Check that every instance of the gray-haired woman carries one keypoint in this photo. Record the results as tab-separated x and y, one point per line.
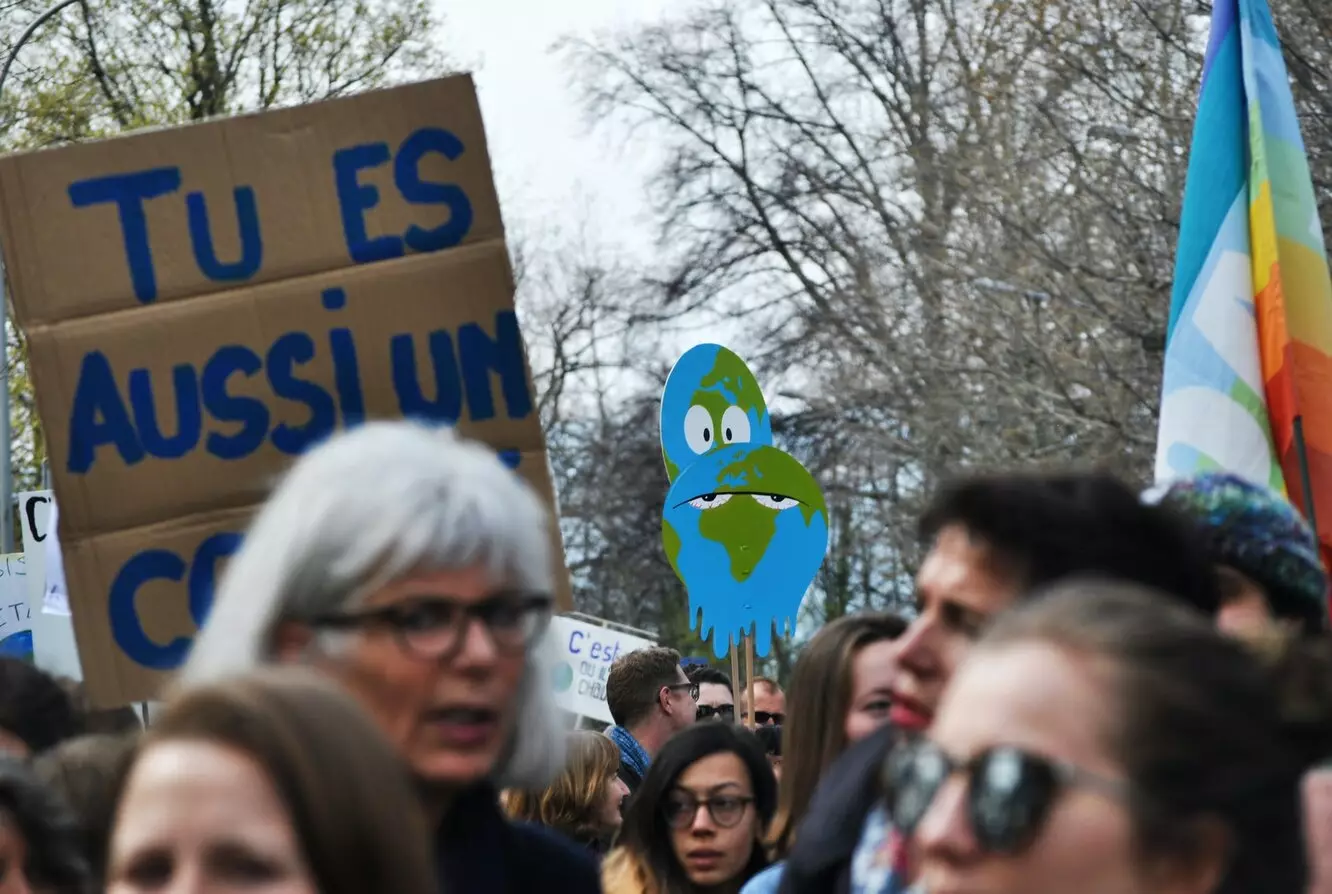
415	568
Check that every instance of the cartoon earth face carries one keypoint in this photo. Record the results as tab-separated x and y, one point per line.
711	400
740	525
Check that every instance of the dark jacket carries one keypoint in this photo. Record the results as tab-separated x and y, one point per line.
478	851
629	776
825	841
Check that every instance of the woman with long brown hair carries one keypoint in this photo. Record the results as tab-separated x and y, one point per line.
839	695
274	783
584	801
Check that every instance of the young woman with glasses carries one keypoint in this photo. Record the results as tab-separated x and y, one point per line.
697	821
1101	740
415	569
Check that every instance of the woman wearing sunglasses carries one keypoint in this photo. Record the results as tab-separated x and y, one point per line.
1101	740
415	569
697	821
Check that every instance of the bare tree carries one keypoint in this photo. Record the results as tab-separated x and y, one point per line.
948	225
112	65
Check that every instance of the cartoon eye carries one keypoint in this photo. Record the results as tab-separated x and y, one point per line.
735	426
698	429
710	501
775	501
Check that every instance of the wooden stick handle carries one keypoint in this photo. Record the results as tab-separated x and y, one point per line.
749	683
735	663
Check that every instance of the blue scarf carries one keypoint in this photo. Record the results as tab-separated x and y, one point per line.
630	751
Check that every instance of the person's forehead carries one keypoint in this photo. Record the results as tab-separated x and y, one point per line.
465	585
714	694
963	569
1031	695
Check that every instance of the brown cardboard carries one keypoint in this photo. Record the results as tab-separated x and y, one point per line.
420	294
66	262
77	300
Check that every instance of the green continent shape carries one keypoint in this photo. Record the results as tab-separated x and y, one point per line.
670	539
767	470
672	470
728	372
742	526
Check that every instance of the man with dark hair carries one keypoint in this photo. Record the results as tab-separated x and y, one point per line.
36	713
650	700
716	701
991	541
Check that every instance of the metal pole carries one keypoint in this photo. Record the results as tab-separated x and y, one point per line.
1306	482
6	436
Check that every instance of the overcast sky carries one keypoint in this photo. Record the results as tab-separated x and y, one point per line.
543	153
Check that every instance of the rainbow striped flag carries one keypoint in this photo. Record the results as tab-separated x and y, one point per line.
1248	360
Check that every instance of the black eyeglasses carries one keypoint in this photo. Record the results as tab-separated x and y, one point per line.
766	718
726	810
1009	791
433	627
691	688
721	712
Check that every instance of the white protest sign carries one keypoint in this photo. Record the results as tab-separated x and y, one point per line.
55	598
15	615
53	645
584	656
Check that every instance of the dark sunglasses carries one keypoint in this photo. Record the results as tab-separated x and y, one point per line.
726	810
1010	792
433	627
766	718
721	712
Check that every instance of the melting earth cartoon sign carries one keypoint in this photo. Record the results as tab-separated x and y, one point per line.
745	526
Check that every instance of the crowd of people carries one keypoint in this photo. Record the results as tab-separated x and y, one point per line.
1099	691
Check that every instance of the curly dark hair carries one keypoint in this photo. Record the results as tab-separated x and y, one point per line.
35	707
55	859
1050	526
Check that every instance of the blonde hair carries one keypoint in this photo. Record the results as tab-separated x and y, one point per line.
623	872
570	804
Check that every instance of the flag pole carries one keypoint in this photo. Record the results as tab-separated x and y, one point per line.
1306	482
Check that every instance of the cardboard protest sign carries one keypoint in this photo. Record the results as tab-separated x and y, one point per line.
585	654
204	303
745	525
15	613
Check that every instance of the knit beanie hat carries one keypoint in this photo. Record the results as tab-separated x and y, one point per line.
1260	534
